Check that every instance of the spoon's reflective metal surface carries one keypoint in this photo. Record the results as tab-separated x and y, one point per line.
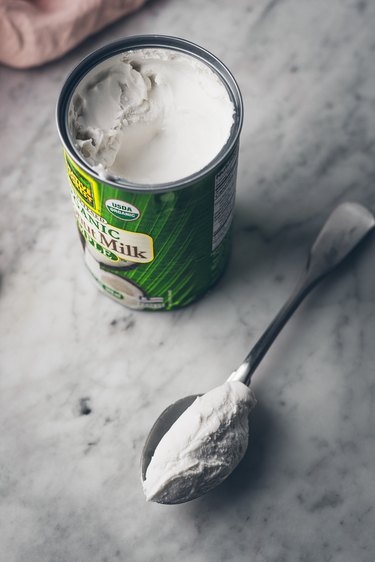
344	229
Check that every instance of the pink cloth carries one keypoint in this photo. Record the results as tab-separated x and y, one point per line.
33	32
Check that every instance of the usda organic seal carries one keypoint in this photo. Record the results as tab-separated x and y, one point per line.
122	210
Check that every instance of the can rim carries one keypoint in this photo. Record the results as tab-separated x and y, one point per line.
148	41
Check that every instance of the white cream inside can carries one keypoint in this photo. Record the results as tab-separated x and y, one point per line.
150	116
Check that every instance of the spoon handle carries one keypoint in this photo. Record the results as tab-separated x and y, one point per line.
255	356
347	225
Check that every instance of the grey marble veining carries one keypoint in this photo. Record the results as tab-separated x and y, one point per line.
82	379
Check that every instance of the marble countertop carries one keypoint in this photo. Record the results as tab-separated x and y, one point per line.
82	379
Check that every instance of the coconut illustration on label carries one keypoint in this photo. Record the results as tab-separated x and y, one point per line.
115	286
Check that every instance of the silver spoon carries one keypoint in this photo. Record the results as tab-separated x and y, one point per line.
344	229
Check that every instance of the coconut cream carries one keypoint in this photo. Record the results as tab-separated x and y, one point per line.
150	116
202	447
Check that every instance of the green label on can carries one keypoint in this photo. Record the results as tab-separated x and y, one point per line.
155	250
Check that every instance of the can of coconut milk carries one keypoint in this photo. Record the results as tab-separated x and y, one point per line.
154	246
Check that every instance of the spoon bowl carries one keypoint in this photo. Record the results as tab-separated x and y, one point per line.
160	428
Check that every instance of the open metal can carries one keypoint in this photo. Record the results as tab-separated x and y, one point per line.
154	246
